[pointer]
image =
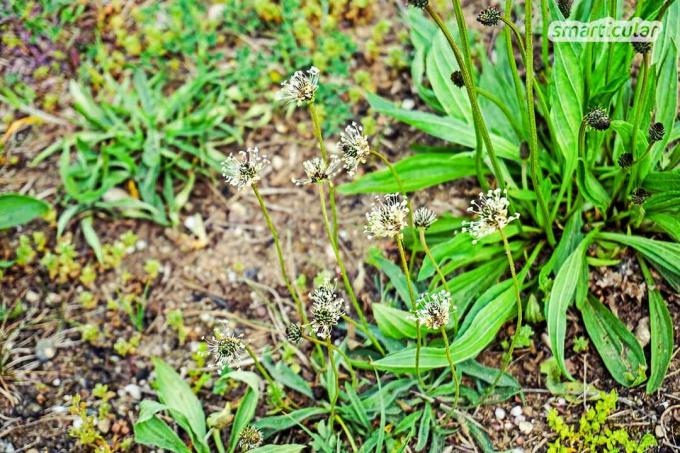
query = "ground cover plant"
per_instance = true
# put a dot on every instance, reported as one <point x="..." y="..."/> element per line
<point x="566" y="158"/>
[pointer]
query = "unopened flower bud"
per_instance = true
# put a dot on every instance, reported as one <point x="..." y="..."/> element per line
<point x="598" y="119"/>
<point x="626" y="160"/>
<point x="656" y="132"/>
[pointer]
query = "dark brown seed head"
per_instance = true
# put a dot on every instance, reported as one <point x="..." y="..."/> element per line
<point x="565" y="7"/>
<point x="639" y="195"/>
<point x="489" y="16"/>
<point x="418" y="3"/>
<point x="642" y="46"/>
<point x="598" y="119"/>
<point x="457" y="79"/>
<point x="656" y="132"/>
<point x="294" y="333"/>
<point x="626" y="160"/>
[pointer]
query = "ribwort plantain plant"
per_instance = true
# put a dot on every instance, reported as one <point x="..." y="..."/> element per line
<point x="569" y="148"/>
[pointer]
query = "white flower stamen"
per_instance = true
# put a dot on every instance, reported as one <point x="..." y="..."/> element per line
<point x="327" y="309"/>
<point x="318" y="171"/>
<point x="387" y="217"/>
<point x="353" y="147"/>
<point x="432" y="309"/>
<point x="492" y="209"/>
<point x="301" y="88"/>
<point x="245" y="170"/>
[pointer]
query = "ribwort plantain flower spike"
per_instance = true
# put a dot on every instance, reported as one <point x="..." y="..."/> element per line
<point x="387" y="217"/>
<point x="565" y="7"/>
<point x="656" y="132"/>
<point x="418" y="3"/>
<point x="639" y="196"/>
<point x="626" y="160"/>
<point x="226" y="348"/>
<point x="432" y="309"/>
<point x="457" y="79"/>
<point x="424" y="217"/>
<point x="354" y="148"/>
<point x="250" y="438"/>
<point x="598" y="119"/>
<point x="301" y="88"/>
<point x="245" y="170"/>
<point x="489" y="17"/>
<point x="492" y="209"/>
<point x="294" y="333"/>
<point x="327" y="309"/>
<point x="641" y="47"/>
<point x="318" y="171"/>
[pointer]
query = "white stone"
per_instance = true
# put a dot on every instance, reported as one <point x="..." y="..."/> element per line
<point x="516" y="411"/>
<point x="525" y="427"/>
<point x="500" y="413"/>
<point x="134" y="391"/>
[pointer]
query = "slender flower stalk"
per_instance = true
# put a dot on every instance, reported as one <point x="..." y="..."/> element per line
<point x="279" y="253"/>
<point x="343" y="273"/>
<point x="402" y="191"/>
<point x="452" y="366"/>
<point x="352" y="373"/>
<point x="536" y="174"/>
<point x="412" y="296"/>
<point x="515" y="283"/>
<point x="336" y="379"/>
<point x="465" y="67"/>
<point x="438" y="270"/>
<point x="639" y="105"/>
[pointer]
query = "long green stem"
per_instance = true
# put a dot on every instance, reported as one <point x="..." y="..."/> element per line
<point x="279" y="253"/>
<point x="545" y="19"/>
<point x="518" y="297"/>
<point x="412" y="296"/>
<point x="517" y="81"/>
<point x="343" y="271"/>
<point x="465" y="69"/>
<point x="316" y="123"/>
<point x="348" y="361"/>
<point x="348" y="434"/>
<point x="265" y="374"/>
<point x="402" y="191"/>
<point x="536" y="178"/>
<point x="336" y="376"/>
<point x="518" y="37"/>
<point x="456" y="384"/>
<point x="639" y="105"/>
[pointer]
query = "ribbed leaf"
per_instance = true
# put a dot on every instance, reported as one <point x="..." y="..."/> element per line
<point x="618" y="348"/>
<point x="661" y="329"/>
<point x="446" y="128"/>
<point x="416" y="172"/>
<point x="561" y="296"/>
<point x="18" y="209"/>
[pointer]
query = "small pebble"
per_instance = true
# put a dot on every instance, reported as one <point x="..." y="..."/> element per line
<point x="516" y="411"/>
<point x="500" y="413"/>
<point x="45" y="350"/>
<point x="508" y="426"/>
<point x="408" y="104"/>
<point x="525" y="427"/>
<point x="561" y="401"/>
<point x="134" y="391"/>
<point x="642" y="332"/>
<point x="659" y="431"/>
<point x="519" y="419"/>
<point x="104" y="425"/>
<point x="32" y="297"/>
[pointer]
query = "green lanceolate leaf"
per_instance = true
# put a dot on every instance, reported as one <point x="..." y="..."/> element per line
<point x="441" y="63"/>
<point x="618" y="348"/>
<point x="446" y="128"/>
<point x="561" y="296"/>
<point x="661" y="329"/>
<point x="181" y="402"/>
<point x="393" y="272"/>
<point x="669" y="223"/>
<point x="272" y="425"/>
<point x="416" y="172"/>
<point x="18" y="209"/>
<point x="287" y="448"/>
<point x="91" y="237"/>
<point x="151" y="430"/>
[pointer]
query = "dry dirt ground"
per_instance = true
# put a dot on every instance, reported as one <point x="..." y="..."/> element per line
<point x="233" y="277"/>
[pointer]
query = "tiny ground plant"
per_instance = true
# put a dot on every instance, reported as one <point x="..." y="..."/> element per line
<point x="593" y="434"/>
